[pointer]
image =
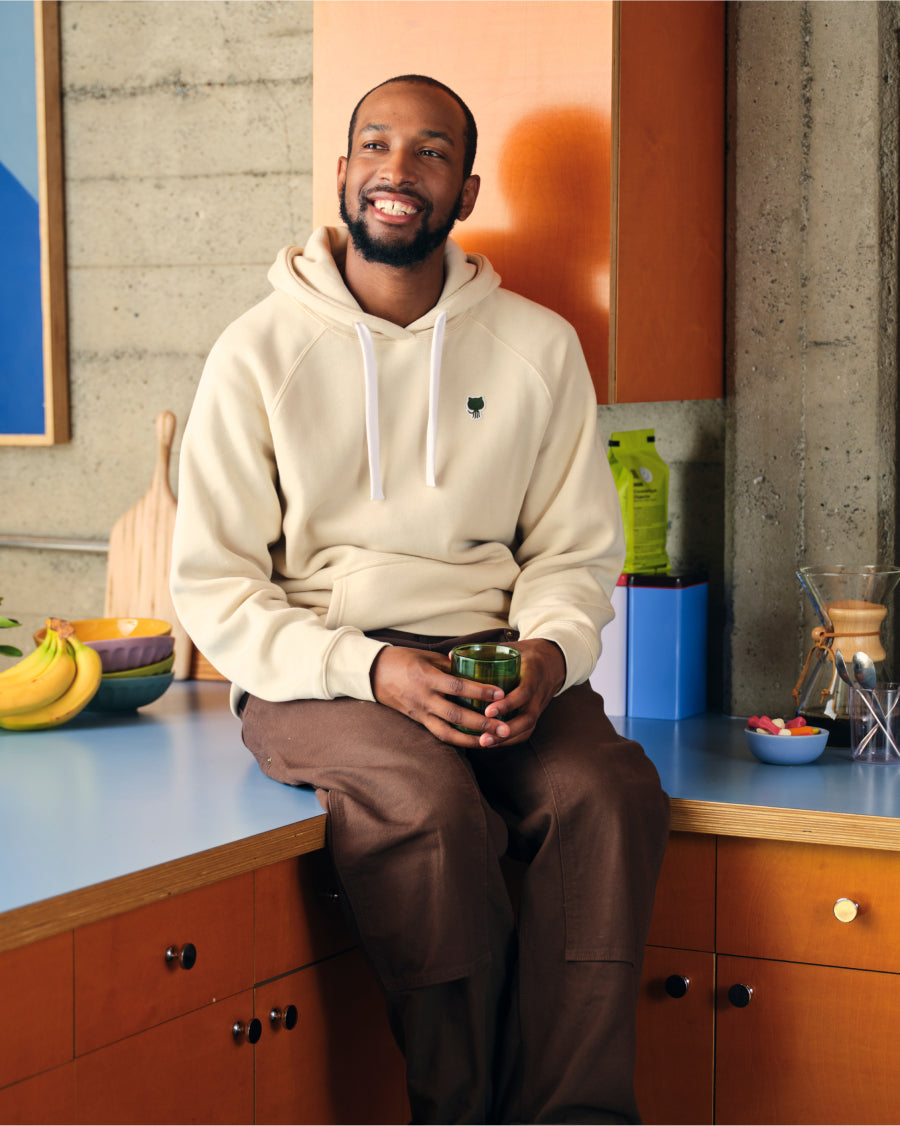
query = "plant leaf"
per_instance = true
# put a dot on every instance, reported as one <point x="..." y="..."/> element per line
<point x="10" y="651"/>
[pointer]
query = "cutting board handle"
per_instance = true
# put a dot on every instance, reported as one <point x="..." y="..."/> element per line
<point x="165" y="435"/>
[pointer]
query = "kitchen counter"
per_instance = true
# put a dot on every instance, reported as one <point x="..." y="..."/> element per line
<point x="111" y="812"/>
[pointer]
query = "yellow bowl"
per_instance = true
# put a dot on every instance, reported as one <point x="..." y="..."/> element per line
<point x="113" y="629"/>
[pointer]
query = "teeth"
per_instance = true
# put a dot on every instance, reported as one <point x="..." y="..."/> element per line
<point x="394" y="207"/>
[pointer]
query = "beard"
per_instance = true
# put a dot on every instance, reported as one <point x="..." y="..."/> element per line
<point x="398" y="254"/>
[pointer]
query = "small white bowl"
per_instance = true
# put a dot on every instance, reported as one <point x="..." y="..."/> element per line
<point x="786" y="750"/>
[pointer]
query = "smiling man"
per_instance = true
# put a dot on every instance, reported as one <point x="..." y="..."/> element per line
<point x="388" y="455"/>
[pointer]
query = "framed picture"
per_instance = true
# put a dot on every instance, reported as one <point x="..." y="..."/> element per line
<point x="34" y="400"/>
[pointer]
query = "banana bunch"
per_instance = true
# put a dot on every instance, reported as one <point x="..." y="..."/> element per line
<point x="51" y="685"/>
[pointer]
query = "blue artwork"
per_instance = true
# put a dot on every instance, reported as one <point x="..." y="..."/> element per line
<point x="22" y="407"/>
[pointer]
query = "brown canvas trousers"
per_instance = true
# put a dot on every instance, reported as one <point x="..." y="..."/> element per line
<point x="502" y="1015"/>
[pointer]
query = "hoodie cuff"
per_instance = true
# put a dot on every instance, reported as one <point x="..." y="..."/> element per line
<point x="349" y="664"/>
<point x="576" y="650"/>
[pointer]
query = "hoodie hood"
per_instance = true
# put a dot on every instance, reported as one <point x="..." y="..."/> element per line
<point x="312" y="276"/>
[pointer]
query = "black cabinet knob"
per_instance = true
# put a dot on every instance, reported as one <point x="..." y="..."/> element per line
<point x="252" y="1030"/>
<point x="286" y="1017"/>
<point x="740" y="995"/>
<point x="677" y="985"/>
<point x="184" y="957"/>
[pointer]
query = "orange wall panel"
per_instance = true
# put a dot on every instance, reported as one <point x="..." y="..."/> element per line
<point x="538" y="77"/>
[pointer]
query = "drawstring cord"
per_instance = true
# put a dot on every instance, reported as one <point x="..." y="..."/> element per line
<point x="370" y="376"/>
<point x="434" y="388"/>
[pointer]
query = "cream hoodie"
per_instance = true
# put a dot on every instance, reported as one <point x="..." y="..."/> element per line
<point x="340" y="474"/>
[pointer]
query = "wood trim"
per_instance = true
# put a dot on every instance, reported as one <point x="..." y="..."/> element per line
<point x="113" y="897"/>
<point x="52" y="231"/>
<point x="766" y="822"/>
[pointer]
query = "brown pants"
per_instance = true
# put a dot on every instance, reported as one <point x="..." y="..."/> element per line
<point x="500" y="1018"/>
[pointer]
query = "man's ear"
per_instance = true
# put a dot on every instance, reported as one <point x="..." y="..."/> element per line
<point x="341" y="174"/>
<point x="469" y="195"/>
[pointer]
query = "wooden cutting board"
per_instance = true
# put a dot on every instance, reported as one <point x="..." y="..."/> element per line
<point x="140" y="553"/>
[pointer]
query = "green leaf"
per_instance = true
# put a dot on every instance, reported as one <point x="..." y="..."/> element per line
<point x="10" y="651"/>
<point x="7" y="623"/>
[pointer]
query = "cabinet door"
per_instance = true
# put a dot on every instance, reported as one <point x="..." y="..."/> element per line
<point x="46" y="1098"/>
<point x="675" y="1037"/>
<point x="814" y="1044"/>
<point x="684" y="910"/>
<point x="36" y="993"/>
<point x="339" y="1063"/>
<point x="192" y="1069"/>
<point x="298" y="916"/>
<point x="124" y="981"/>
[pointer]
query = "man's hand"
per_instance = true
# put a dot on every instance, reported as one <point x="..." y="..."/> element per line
<point x="542" y="675"/>
<point x="417" y="683"/>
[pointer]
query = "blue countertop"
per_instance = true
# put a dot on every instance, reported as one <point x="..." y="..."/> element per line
<point x="106" y="798"/>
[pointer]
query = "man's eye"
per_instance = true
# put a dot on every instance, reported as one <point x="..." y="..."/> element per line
<point x="432" y="152"/>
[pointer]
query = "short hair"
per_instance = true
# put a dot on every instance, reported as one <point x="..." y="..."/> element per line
<point x="470" y="135"/>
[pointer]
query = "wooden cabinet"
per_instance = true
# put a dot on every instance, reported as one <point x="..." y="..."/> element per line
<point x="676" y="1024"/>
<point x="238" y="1002"/>
<point x="771" y="984"/>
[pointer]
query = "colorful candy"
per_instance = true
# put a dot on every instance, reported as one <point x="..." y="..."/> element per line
<point x="766" y="726"/>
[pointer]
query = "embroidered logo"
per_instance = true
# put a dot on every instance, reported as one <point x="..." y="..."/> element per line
<point x="475" y="405"/>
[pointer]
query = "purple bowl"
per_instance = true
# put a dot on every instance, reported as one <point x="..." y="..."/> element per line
<point x="121" y="653"/>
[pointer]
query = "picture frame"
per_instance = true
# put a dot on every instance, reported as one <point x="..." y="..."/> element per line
<point x="34" y="391"/>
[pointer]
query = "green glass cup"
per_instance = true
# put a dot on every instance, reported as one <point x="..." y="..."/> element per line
<point x="486" y="663"/>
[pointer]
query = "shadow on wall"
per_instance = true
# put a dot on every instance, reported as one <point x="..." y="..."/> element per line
<point x="554" y="174"/>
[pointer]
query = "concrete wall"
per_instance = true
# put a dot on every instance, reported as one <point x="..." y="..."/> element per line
<point x="812" y="396"/>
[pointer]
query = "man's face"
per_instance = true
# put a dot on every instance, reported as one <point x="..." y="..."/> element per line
<point x="401" y="187"/>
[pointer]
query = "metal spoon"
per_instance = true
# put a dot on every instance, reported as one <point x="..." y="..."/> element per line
<point x="869" y="698"/>
<point x="866" y="679"/>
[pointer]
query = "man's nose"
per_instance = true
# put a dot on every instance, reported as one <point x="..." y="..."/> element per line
<point x="397" y="166"/>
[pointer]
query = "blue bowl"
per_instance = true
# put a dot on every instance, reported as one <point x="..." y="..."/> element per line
<point x="129" y="693"/>
<point x="783" y="750"/>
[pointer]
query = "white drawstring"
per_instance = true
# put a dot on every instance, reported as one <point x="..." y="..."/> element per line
<point x="434" y="387"/>
<point x="370" y="376"/>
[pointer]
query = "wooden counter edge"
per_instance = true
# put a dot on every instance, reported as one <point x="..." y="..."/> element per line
<point x="52" y="916"/>
<point x="48" y="917"/>
<point x="847" y="830"/>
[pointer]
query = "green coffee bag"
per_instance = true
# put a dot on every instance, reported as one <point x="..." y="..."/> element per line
<point x="642" y="478"/>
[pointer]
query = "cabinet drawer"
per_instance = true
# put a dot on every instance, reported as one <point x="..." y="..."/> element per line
<point x="36" y="993"/>
<point x="191" y="1069"/>
<point x="777" y="900"/>
<point x="298" y="917"/>
<point x="684" y="908"/>
<point x="124" y="981"/>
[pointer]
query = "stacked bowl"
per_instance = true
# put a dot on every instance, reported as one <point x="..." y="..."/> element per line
<point x="137" y="655"/>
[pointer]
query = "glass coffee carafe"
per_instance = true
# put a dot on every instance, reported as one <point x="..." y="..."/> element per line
<point x="851" y="604"/>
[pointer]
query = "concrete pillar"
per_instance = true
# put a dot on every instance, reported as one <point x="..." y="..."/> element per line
<point x="811" y="429"/>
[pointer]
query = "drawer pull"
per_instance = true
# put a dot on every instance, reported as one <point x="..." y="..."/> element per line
<point x="286" y="1017"/>
<point x="845" y="910"/>
<point x="252" y="1030"/>
<point x="677" y="985"/>
<point x="740" y="995"/>
<point x="185" y="957"/>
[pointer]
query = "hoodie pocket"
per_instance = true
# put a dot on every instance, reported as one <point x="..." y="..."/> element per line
<point x="395" y="595"/>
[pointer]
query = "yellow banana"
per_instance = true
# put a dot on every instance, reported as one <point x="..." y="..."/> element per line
<point x="44" y="686"/>
<point x="29" y="666"/>
<point x="88" y="670"/>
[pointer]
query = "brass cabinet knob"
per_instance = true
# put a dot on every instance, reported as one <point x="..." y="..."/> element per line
<point x="845" y="910"/>
<point x="185" y="957"/>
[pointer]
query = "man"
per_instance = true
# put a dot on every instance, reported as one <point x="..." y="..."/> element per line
<point x="388" y="454"/>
